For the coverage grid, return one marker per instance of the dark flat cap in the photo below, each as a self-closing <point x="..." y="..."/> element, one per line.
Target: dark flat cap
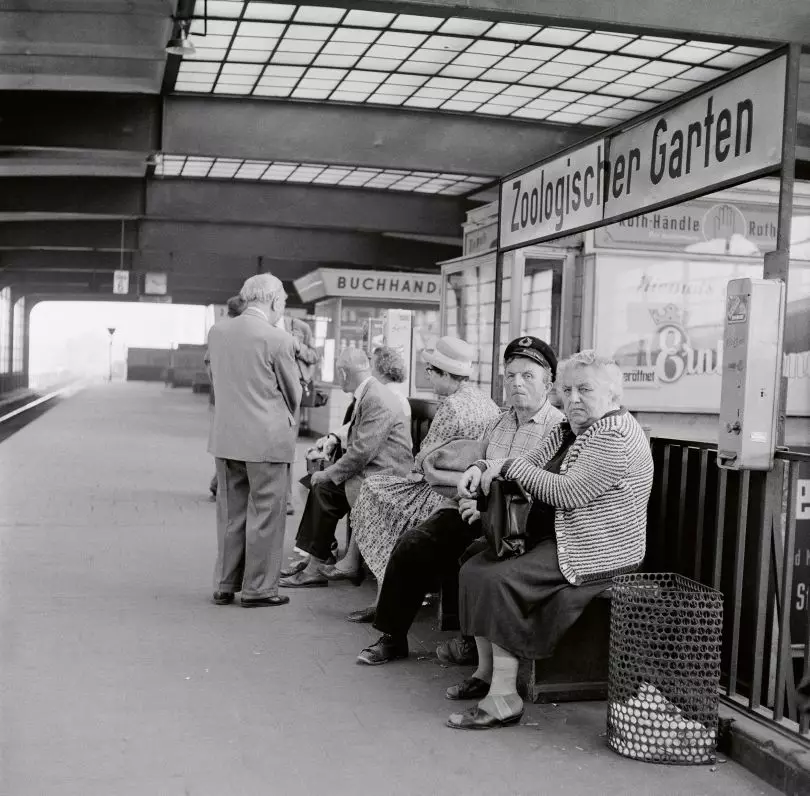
<point x="535" y="349"/>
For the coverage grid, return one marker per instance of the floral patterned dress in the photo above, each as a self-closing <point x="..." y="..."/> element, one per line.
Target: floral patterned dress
<point x="389" y="505"/>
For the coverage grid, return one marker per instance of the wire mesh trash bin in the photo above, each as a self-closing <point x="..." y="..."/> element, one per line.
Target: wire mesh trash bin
<point x="664" y="672"/>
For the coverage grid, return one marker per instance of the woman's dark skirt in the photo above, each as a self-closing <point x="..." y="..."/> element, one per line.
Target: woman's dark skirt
<point x="523" y="604"/>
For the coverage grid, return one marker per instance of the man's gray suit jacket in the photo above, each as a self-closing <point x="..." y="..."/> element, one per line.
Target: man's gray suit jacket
<point x="257" y="385"/>
<point x="379" y="440"/>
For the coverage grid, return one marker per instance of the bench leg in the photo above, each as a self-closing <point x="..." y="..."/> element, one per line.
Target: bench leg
<point x="448" y="603"/>
<point x="578" y="670"/>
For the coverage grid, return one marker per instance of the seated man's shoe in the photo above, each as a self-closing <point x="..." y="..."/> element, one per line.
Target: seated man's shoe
<point x="364" y="615"/>
<point x="260" y="602"/>
<point x="331" y="572"/>
<point x="294" y="568"/>
<point x="387" y="648"/>
<point x="222" y="598"/>
<point x="458" y="651"/>
<point x="302" y="580"/>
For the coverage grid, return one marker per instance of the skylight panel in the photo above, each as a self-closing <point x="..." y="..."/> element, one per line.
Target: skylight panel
<point x="323" y="15"/>
<point x="263" y="30"/>
<point x="465" y="27"/>
<point x="397" y="39"/>
<point x="259" y="10"/>
<point x="357" y="35"/>
<point x="308" y="32"/>
<point x="498" y="48"/>
<point x="225" y="8"/>
<point x="563" y="37"/>
<point x="690" y="54"/>
<point x="415" y="22"/>
<point x="607" y="42"/>
<point x="512" y="32"/>
<point x="368" y="19"/>
<point x="647" y="47"/>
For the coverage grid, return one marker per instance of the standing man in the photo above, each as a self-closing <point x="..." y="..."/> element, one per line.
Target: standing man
<point x="253" y="439"/>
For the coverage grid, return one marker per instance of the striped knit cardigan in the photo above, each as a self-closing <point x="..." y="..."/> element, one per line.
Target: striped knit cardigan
<point x="600" y="494"/>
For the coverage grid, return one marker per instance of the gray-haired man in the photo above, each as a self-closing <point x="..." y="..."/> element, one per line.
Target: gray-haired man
<point x="378" y="440"/>
<point x="253" y="439"/>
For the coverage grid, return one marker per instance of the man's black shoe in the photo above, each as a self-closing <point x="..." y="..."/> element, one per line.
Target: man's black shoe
<point x="387" y="648"/>
<point x="222" y="597"/>
<point x="260" y="602"/>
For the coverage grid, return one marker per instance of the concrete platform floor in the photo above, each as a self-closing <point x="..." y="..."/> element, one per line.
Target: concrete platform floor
<point x="120" y="678"/>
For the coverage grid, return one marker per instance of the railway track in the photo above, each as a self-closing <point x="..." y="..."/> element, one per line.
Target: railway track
<point x="18" y="414"/>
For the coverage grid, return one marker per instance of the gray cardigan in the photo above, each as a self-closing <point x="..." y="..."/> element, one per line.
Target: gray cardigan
<point x="600" y="495"/>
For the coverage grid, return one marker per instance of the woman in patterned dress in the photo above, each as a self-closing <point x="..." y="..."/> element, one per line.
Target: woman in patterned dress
<point x="388" y="505"/>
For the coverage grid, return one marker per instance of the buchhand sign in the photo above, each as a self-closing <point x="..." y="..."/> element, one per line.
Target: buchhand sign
<point x="728" y="133"/>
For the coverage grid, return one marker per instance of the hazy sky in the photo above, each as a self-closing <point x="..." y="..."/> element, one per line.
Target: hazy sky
<point x="74" y="334"/>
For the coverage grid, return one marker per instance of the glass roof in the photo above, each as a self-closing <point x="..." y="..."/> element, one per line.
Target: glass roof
<point x="454" y="64"/>
<point x="319" y="174"/>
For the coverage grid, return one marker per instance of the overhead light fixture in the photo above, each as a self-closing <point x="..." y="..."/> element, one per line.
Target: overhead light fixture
<point x="181" y="44"/>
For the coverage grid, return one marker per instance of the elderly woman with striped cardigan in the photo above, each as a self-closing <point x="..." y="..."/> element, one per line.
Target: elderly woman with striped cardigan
<point x="589" y="482"/>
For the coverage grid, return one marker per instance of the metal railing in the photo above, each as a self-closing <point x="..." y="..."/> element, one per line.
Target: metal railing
<point x="737" y="531"/>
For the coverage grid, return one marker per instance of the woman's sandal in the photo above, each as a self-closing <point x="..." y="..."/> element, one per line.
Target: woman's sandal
<point x="471" y="688"/>
<point x="478" y="719"/>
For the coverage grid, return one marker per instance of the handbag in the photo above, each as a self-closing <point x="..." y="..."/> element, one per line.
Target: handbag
<point x="445" y="462"/>
<point x="504" y="518"/>
<point x="312" y="398"/>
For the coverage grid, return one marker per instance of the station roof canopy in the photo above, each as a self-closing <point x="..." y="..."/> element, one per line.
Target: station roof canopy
<point x="289" y="137"/>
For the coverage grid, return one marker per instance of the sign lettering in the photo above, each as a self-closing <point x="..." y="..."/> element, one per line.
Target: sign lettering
<point x="396" y="286"/>
<point x="731" y="131"/>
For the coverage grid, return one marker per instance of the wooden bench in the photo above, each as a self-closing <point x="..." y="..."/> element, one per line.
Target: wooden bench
<point x="578" y="669"/>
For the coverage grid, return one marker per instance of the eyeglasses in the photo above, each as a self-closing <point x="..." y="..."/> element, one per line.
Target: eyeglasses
<point x="430" y="369"/>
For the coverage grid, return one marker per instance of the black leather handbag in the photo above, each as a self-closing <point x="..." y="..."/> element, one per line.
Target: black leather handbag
<point x="504" y="518"/>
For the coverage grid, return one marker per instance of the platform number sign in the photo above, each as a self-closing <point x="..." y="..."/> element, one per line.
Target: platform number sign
<point x="121" y="283"/>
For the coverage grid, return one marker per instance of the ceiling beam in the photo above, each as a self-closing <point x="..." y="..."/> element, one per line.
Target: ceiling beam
<point x="294" y="244"/>
<point x="230" y="270"/>
<point x="59" y="119"/>
<point x="90" y="196"/>
<point x="358" y="135"/>
<point x="76" y="235"/>
<point x="304" y="206"/>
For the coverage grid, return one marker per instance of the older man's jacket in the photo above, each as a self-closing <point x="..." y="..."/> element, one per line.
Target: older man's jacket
<point x="378" y="442"/>
<point x="258" y="390"/>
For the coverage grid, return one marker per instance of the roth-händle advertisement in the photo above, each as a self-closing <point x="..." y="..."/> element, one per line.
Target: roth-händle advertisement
<point x="662" y="320"/>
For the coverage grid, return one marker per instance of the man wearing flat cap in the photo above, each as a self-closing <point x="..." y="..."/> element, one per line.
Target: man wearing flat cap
<point x="429" y="552"/>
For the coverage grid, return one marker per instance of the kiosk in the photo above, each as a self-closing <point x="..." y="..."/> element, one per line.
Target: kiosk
<point x="352" y="310"/>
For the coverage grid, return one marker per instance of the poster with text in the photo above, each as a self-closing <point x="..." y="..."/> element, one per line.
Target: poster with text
<point x="662" y="320"/>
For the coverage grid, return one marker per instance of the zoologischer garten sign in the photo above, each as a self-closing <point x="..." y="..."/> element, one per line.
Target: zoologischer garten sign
<point x="729" y="132"/>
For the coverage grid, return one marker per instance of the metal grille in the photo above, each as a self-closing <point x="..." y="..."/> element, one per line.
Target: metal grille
<point x="665" y="637"/>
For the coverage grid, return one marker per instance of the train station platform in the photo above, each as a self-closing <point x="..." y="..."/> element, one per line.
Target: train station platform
<point x="118" y="677"/>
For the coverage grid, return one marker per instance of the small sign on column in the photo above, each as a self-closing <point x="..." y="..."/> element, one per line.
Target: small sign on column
<point x="121" y="283"/>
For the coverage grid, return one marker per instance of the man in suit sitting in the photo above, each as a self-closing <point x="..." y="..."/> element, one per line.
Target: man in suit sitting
<point x="253" y="440"/>
<point x="378" y="440"/>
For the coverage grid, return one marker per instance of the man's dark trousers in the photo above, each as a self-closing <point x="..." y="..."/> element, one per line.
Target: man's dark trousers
<point x="423" y="557"/>
<point x="326" y="506"/>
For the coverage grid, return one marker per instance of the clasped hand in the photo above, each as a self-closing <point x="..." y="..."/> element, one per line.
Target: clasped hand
<point x="474" y="482"/>
<point x="326" y="445"/>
